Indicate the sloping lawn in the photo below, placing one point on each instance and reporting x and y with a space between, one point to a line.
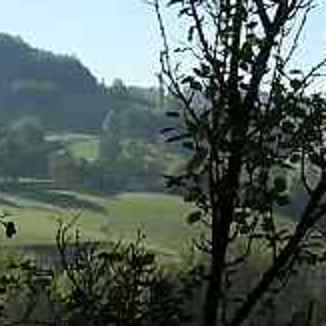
161 217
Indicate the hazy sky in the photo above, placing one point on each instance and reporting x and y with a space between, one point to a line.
114 38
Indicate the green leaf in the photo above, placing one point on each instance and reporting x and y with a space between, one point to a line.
252 24
244 86
296 72
149 259
282 200
194 217
267 225
10 229
295 84
205 68
192 195
245 228
196 161
196 86
172 181
288 126
203 71
191 33
183 11
193 84
246 52
166 130
173 114
188 79
198 72
295 158
280 184
177 138
244 66
315 159
188 145
173 2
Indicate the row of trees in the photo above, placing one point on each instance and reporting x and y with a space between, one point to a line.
131 149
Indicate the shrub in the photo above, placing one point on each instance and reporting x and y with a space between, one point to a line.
121 284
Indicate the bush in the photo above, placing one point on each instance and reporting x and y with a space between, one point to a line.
119 285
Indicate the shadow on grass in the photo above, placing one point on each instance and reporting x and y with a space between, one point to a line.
55 198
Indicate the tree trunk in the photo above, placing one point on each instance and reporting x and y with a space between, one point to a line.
211 299
214 292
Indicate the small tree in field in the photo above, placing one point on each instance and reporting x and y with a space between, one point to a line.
249 120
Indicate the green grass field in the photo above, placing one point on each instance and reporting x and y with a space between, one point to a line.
36 213
104 218
88 149
81 145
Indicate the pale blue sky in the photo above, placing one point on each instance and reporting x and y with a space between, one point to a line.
114 38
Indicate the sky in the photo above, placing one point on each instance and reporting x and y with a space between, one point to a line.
114 38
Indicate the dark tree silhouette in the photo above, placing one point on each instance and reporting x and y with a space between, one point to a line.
248 119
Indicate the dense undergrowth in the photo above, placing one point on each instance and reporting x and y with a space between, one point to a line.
126 283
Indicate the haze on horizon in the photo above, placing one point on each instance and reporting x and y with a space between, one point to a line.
113 38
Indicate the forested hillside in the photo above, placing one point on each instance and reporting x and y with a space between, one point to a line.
58 90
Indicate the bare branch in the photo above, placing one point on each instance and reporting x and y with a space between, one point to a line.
295 43
303 173
263 15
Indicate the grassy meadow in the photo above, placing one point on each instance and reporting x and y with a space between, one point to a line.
37 212
88 149
37 208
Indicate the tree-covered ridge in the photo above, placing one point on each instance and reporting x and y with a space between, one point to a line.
59 91
52 88
23 67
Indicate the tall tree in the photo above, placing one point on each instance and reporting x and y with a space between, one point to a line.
248 119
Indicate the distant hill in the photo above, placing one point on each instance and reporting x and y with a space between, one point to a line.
57 89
